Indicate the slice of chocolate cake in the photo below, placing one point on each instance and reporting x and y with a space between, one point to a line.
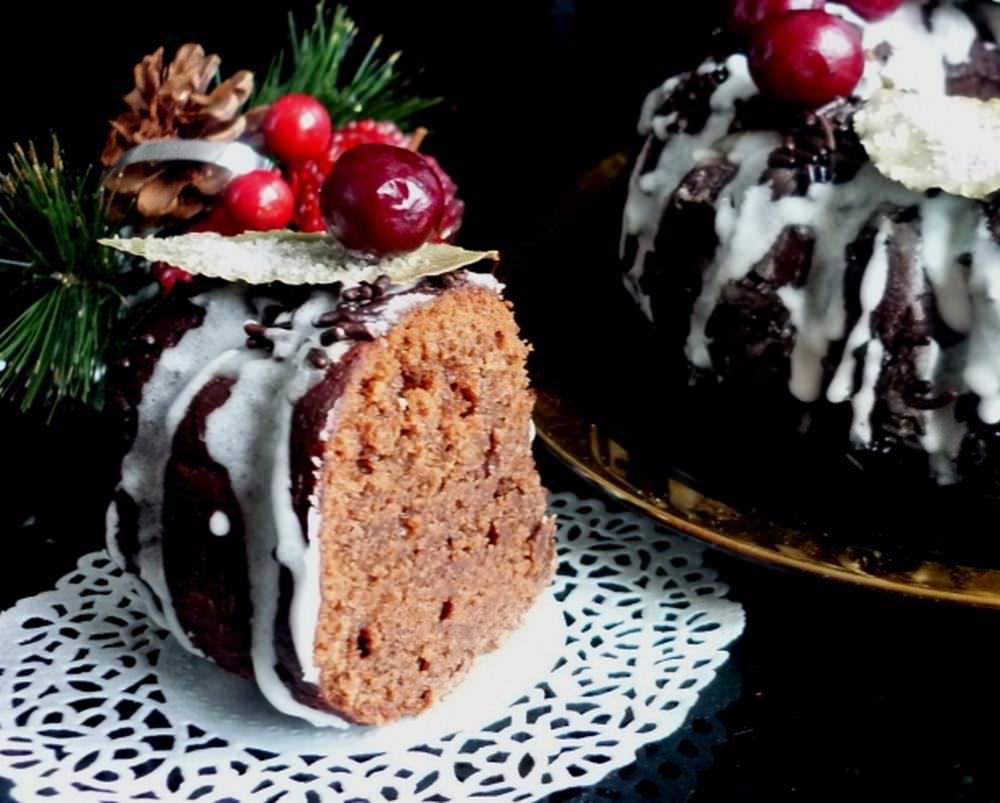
332 490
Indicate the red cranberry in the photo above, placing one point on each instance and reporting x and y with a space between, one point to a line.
217 221
260 200
168 276
746 14
873 9
806 57
297 127
382 199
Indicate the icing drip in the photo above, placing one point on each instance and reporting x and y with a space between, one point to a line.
650 192
982 373
756 206
218 524
949 225
241 436
863 340
143 467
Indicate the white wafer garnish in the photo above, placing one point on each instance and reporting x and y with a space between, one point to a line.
927 141
292 258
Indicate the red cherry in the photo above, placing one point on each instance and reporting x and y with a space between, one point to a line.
746 14
873 9
297 127
217 221
260 200
382 199
806 57
168 276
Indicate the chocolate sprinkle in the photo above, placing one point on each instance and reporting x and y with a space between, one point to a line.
328 319
318 358
345 331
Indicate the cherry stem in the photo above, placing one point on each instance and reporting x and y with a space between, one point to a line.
417 138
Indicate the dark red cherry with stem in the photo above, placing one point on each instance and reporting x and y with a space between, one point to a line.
260 200
873 9
382 199
746 14
297 127
806 57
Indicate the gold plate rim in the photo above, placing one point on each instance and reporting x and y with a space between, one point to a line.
571 437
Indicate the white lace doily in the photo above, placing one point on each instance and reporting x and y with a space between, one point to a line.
97 704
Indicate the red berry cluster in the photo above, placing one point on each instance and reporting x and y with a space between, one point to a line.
799 52
365 132
297 130
386 199
307 176
306 180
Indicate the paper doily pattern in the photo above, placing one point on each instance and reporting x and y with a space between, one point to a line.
83 714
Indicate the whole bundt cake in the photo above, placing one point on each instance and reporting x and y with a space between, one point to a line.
331 490
761 239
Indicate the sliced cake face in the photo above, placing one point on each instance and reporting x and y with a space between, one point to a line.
760 238
432 524
334 493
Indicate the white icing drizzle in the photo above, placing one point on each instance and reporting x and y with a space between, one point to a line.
143 468
982 373
742 218
241 436
218 524
249 436
650 192
949 226
863 339
749 221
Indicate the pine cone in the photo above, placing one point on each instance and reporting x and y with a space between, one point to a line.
171 103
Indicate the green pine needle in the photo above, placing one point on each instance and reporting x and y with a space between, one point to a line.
59 284
316 66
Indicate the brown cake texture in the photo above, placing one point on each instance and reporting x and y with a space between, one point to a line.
437 519
344 502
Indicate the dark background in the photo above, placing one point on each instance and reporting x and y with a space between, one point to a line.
833 693
535 90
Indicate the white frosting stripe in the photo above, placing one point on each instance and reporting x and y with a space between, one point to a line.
142 472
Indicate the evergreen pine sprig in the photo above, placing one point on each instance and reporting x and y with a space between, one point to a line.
59 284
316 66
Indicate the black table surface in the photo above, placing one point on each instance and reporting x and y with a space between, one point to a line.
832 692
